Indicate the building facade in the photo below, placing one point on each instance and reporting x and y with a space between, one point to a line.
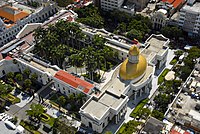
189 18
130 80
108 5
159 19
8 33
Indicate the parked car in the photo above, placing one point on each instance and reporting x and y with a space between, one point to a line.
82 130
7 108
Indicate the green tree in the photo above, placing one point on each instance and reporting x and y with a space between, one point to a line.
121 27
162 100
35 111
61 101
135 34
158 115
71 97
172 32
27 83
34 77
10 75
76 60
19 77
185 72
26 72
178 53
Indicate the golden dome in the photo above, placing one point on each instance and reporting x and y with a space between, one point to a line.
134 50
129 71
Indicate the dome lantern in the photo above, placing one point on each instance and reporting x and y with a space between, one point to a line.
133 54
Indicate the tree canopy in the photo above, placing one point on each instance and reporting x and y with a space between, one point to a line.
116 21
35 111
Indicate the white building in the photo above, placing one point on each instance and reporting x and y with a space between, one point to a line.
130 80
108 5
62 81
10 27
159 19
189 18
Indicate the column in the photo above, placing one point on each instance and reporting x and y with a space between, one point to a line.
146 89
135 95
140 92
115 119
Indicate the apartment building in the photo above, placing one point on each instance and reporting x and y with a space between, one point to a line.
189 18
111 4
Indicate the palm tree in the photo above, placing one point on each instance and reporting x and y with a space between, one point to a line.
10 75
19 77
27 83
61 101
76 60
27 72
34 76
71 97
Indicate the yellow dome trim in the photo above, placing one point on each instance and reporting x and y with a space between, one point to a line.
134 50
129 71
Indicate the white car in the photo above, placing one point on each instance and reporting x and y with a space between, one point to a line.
7 108
82 130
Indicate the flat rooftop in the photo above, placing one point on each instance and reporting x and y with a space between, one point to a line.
43 68
193 8
111 100
96 109
156 45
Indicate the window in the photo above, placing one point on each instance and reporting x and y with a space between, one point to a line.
90 124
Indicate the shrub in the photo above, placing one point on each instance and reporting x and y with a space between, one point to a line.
162 76
138 108
173 62
45 117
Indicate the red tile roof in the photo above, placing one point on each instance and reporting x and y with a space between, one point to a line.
73 81
176 132
8 58
175 3
12 14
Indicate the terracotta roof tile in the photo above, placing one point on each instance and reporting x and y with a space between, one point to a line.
73 81
12 14
177 3
8 58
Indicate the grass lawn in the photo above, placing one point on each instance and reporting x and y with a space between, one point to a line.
49 121
129 127
12 99
29 127
173 62
138 108
162 76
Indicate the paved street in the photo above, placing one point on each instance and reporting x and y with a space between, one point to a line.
5 129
